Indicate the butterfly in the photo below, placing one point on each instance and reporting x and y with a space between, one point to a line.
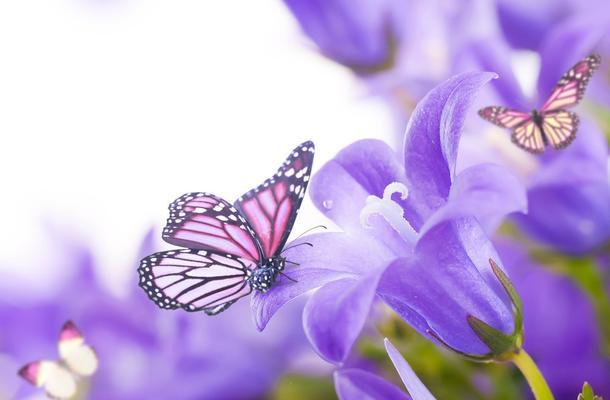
59 378
229 249
552 123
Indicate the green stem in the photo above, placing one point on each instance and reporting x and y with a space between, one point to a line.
533 376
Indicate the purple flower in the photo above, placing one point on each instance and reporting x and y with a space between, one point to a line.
357 34
353 384
146 352
414 235
562 333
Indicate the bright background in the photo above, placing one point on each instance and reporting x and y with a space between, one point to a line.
112 109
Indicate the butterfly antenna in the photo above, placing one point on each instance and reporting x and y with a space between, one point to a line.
311 229
287 277
291 262
297 245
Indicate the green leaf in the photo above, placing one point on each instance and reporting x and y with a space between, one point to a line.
500 344
587 393
512 294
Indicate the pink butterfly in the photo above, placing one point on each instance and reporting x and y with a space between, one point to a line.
60 378
230 249
552 124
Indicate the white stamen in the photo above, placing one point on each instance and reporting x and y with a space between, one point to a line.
390 210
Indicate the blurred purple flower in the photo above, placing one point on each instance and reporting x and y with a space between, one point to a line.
525 24
423 252
400 49
568 196
577 37
355 384
357 34
146 352
562 332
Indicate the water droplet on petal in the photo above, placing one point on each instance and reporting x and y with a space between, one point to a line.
328 204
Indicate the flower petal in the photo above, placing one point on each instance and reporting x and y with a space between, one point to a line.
332 256
449 279
414 386
493 54
265 305
355 384
432 139
341 186
571 219
338 251
589 152
568 198
336 313
486 191
525 23
351 33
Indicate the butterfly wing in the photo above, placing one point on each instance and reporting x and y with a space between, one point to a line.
529 137
195 279
203 221
504 117
571 87
272 207
56 380
560 127
78 356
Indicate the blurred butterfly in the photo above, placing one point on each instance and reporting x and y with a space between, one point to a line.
552 124
230 249
59 378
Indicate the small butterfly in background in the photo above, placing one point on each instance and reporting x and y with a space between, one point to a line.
230 249
552 124
60 378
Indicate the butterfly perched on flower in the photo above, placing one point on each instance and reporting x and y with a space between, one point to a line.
552 123
229 249
60 378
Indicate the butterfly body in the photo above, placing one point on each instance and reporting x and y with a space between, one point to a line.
552 124
263 277
538 119
229 249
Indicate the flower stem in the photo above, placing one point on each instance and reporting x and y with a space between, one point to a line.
533 376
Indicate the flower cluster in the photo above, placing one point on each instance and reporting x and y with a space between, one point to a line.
451 245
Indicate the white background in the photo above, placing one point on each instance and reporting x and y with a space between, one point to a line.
111 109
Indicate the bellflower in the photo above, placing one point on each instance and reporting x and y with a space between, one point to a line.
568 191
562 332
355 384
414 236
145 352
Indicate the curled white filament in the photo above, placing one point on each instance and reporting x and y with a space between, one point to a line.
390 210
